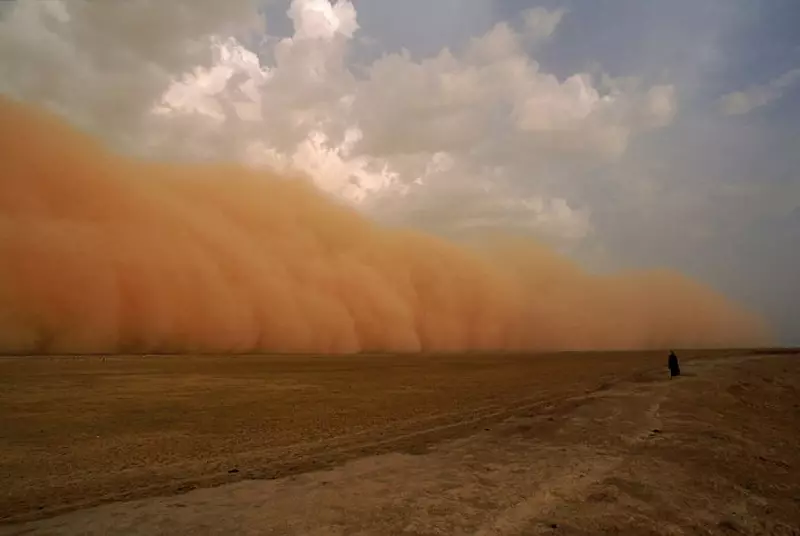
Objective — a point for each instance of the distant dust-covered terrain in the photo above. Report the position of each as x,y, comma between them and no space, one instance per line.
573,443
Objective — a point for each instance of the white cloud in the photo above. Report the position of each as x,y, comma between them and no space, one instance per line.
449,102
456,208
104,63
319,19
742,102
485,125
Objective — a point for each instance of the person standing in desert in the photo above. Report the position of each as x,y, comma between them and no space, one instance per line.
672,364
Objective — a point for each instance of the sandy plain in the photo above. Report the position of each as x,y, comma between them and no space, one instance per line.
567,443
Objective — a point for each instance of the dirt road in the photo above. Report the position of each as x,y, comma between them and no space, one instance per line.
561,444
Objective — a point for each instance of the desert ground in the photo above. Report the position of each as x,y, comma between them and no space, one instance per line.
565,443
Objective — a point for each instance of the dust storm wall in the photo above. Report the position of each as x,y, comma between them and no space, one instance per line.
102,253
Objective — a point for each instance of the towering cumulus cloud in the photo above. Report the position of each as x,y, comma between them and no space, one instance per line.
99,252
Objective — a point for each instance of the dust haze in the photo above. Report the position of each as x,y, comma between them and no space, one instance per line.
103,253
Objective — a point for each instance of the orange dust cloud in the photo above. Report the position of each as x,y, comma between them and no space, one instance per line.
102,253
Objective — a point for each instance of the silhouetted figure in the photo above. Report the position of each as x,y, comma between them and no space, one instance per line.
672,363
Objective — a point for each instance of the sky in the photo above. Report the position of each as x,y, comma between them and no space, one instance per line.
625,133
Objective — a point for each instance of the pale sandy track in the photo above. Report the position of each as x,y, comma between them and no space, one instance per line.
509,449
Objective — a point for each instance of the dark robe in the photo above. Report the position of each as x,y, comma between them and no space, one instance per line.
672,363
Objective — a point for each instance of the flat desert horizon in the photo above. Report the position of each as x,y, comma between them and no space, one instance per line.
505,443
